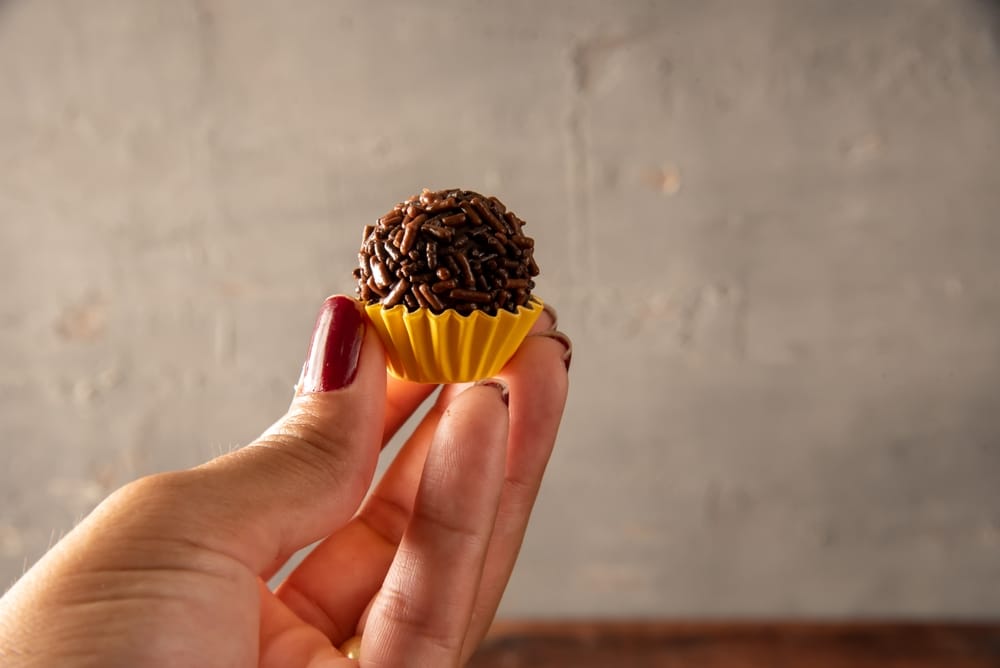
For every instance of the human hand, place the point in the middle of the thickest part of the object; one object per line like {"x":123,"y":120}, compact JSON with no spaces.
{"x":171,"y":569}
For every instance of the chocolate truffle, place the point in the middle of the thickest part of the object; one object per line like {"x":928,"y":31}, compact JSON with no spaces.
{"x":447,"y":249}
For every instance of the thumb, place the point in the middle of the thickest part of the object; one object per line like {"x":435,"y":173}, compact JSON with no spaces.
{"x":308,"y":473}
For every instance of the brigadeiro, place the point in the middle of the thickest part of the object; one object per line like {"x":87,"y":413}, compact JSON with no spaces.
{"x":447,"y":278}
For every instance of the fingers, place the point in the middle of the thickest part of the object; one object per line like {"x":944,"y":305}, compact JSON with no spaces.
{"x":421,"y":614}
{"x":402,"y":399}
{"x":538,"y":381}
{"x":334,"y":584}
{"x":387,"y":510}
{"x":286,"y":641}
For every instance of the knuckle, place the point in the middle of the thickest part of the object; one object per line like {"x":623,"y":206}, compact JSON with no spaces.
{"x":418,"y":621}
{"x":163,"y":508}
{"x":386,"y":517}
{"x":307,"y":454}
{"x":152,"y":492}
{"x":451,"y":526}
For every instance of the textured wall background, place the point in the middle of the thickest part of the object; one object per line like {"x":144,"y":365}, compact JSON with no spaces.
{"x":772,"y":228}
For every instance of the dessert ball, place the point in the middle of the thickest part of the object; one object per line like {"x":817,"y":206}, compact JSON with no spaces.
{"x":447,"y":250}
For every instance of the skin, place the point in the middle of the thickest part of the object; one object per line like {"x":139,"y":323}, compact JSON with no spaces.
{"x":170,"y":569}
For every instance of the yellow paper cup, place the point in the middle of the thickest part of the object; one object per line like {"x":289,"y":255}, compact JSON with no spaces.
{"x":426,"y":347}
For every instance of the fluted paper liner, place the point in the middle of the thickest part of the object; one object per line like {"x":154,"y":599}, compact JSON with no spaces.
{"x":426,"y":347}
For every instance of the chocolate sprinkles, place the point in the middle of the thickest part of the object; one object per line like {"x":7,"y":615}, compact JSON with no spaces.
{"x":449,"y":249}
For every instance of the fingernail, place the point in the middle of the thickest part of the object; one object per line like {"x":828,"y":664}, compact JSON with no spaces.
{"x":499,"y":385}
{"x":551,"y":310}
{"x":332,"y":360}
{"x":556,"y":335}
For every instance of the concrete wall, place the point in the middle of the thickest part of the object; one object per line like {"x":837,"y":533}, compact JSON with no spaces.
{"x":771,"y":226}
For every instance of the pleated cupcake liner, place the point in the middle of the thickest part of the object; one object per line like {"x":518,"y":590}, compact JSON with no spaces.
{"x":426,"y":347}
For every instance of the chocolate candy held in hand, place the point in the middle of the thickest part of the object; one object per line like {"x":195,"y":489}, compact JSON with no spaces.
{"x":449,"y":249}
{"x":447,"y":278}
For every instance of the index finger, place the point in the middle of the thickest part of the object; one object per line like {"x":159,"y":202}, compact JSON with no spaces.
{"x":421,"y":614}
{"x":538,"y":381}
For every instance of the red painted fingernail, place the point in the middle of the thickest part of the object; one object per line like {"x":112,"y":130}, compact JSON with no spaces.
{"x":332,"y":360}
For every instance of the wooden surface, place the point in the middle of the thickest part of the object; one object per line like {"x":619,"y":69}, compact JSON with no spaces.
{"x":740,"y":645}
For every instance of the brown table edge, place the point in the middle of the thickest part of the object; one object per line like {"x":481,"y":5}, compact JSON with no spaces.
{"x":732,"y":626}
{"x":885,"y":643}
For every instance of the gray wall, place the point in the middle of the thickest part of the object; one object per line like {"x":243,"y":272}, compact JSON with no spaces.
{"x":771,"y":227}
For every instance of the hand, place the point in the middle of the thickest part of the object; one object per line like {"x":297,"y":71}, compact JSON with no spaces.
{"x":171,"y":569}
